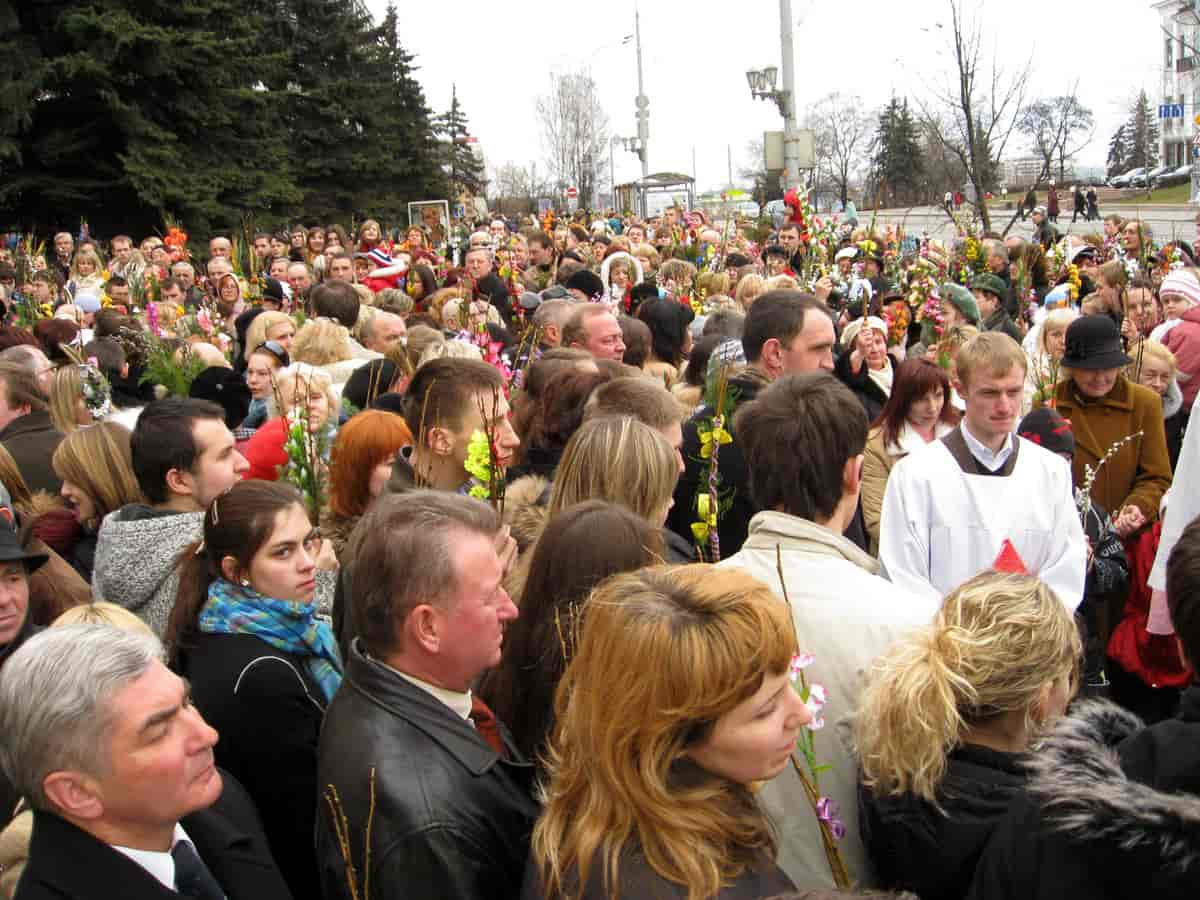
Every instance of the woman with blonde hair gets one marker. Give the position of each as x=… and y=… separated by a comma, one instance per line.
x=621, y=460
x=299, y=386
x=945, y=719
x=85, y=273
x=1045, y=369
x=1155, y=367
x=95, y=466
x=749, y=289
x=325, y=345
x=612, y=458
x=659, y=802
x=269, y=326
x=102, y=613
x=79, y=395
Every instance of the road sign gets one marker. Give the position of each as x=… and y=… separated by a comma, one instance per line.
x=572, y=192
x=1170, y=111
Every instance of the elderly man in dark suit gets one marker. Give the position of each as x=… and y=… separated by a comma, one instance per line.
x=102, y=741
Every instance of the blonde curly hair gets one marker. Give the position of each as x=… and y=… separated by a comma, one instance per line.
x=995, y=647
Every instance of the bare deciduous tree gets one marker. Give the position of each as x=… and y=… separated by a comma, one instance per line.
x=515, y=182
x=842, y=136
x=1052, y=125
x=575, y=133
x=974, y=114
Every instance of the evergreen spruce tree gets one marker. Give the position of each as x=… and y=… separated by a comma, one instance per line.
x=897, y=165
x=131, y=111
x=463, y=168
x=1118, y=151
x=1142, y=130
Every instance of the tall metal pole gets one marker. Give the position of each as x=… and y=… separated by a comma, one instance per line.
x=791, y=140
x=643, y=110
x=612, y=174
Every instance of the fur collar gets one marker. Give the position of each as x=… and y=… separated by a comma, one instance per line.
x=1077, y=779
x=1173, y=400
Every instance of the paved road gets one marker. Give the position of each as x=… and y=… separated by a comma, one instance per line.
x=1165, y=221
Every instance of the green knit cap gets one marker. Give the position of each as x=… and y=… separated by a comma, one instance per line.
x=961, y=299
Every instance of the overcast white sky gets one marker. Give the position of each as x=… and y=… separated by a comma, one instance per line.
x=696, y=54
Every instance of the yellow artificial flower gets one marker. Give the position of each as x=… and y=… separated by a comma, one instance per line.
x=708, y=518
x=717, y=434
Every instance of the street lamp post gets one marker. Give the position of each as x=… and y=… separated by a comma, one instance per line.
x=762, y=87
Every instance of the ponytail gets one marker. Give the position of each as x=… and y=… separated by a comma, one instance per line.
x=908, y=719
x=196, y=573
x=994, y=646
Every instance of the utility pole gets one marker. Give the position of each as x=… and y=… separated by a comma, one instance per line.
x=791, y=140
x=643, y=111
x=729, y=163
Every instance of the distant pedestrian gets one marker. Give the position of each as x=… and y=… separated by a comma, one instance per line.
x=1078, y=204
x=1093, y=210
x=1052, y=203
x=1029, y=204
x=948, y=202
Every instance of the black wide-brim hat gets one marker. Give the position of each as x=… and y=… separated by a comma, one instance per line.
x=10, y=545
x=1094, y=342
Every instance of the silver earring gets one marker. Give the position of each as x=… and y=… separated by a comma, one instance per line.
x=245, y=582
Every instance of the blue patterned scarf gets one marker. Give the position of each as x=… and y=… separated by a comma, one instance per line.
x=290, y=627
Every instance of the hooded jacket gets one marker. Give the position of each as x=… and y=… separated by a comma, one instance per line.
x=1184, y=341
x=1112, y=810
x=137, y=552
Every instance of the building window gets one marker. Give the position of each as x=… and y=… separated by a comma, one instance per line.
x=1170, y=53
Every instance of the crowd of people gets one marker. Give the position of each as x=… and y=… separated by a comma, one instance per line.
x=599, y=557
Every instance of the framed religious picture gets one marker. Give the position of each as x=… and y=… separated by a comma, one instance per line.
x=433, y=216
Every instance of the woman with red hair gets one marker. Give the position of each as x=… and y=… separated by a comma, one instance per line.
x=359, y=469
x=917, y=412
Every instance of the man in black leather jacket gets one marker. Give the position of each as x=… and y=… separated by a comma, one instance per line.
x=405, y=746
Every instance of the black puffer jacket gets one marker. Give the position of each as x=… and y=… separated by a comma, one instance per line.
x=452, y=818
x=915, y=847
x=1112, y=810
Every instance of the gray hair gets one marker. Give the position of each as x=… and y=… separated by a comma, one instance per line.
x=553, y=312
x=404, y=546
x=27, y=356
x=55, y=701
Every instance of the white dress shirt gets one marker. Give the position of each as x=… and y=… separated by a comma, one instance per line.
x=160, y=865
x=992, y=461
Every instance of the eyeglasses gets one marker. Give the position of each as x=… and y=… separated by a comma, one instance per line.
x=277, y=350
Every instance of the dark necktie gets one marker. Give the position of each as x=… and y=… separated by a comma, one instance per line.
x=192, y=878
x=486, y=725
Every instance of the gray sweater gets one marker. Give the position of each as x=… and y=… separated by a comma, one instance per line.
x=137, y=556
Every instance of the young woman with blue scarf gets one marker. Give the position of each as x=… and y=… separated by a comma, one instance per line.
x=263, y=664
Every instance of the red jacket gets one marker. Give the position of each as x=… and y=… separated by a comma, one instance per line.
x=265, y=451
x=1154, y=658
x=1184, y=341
